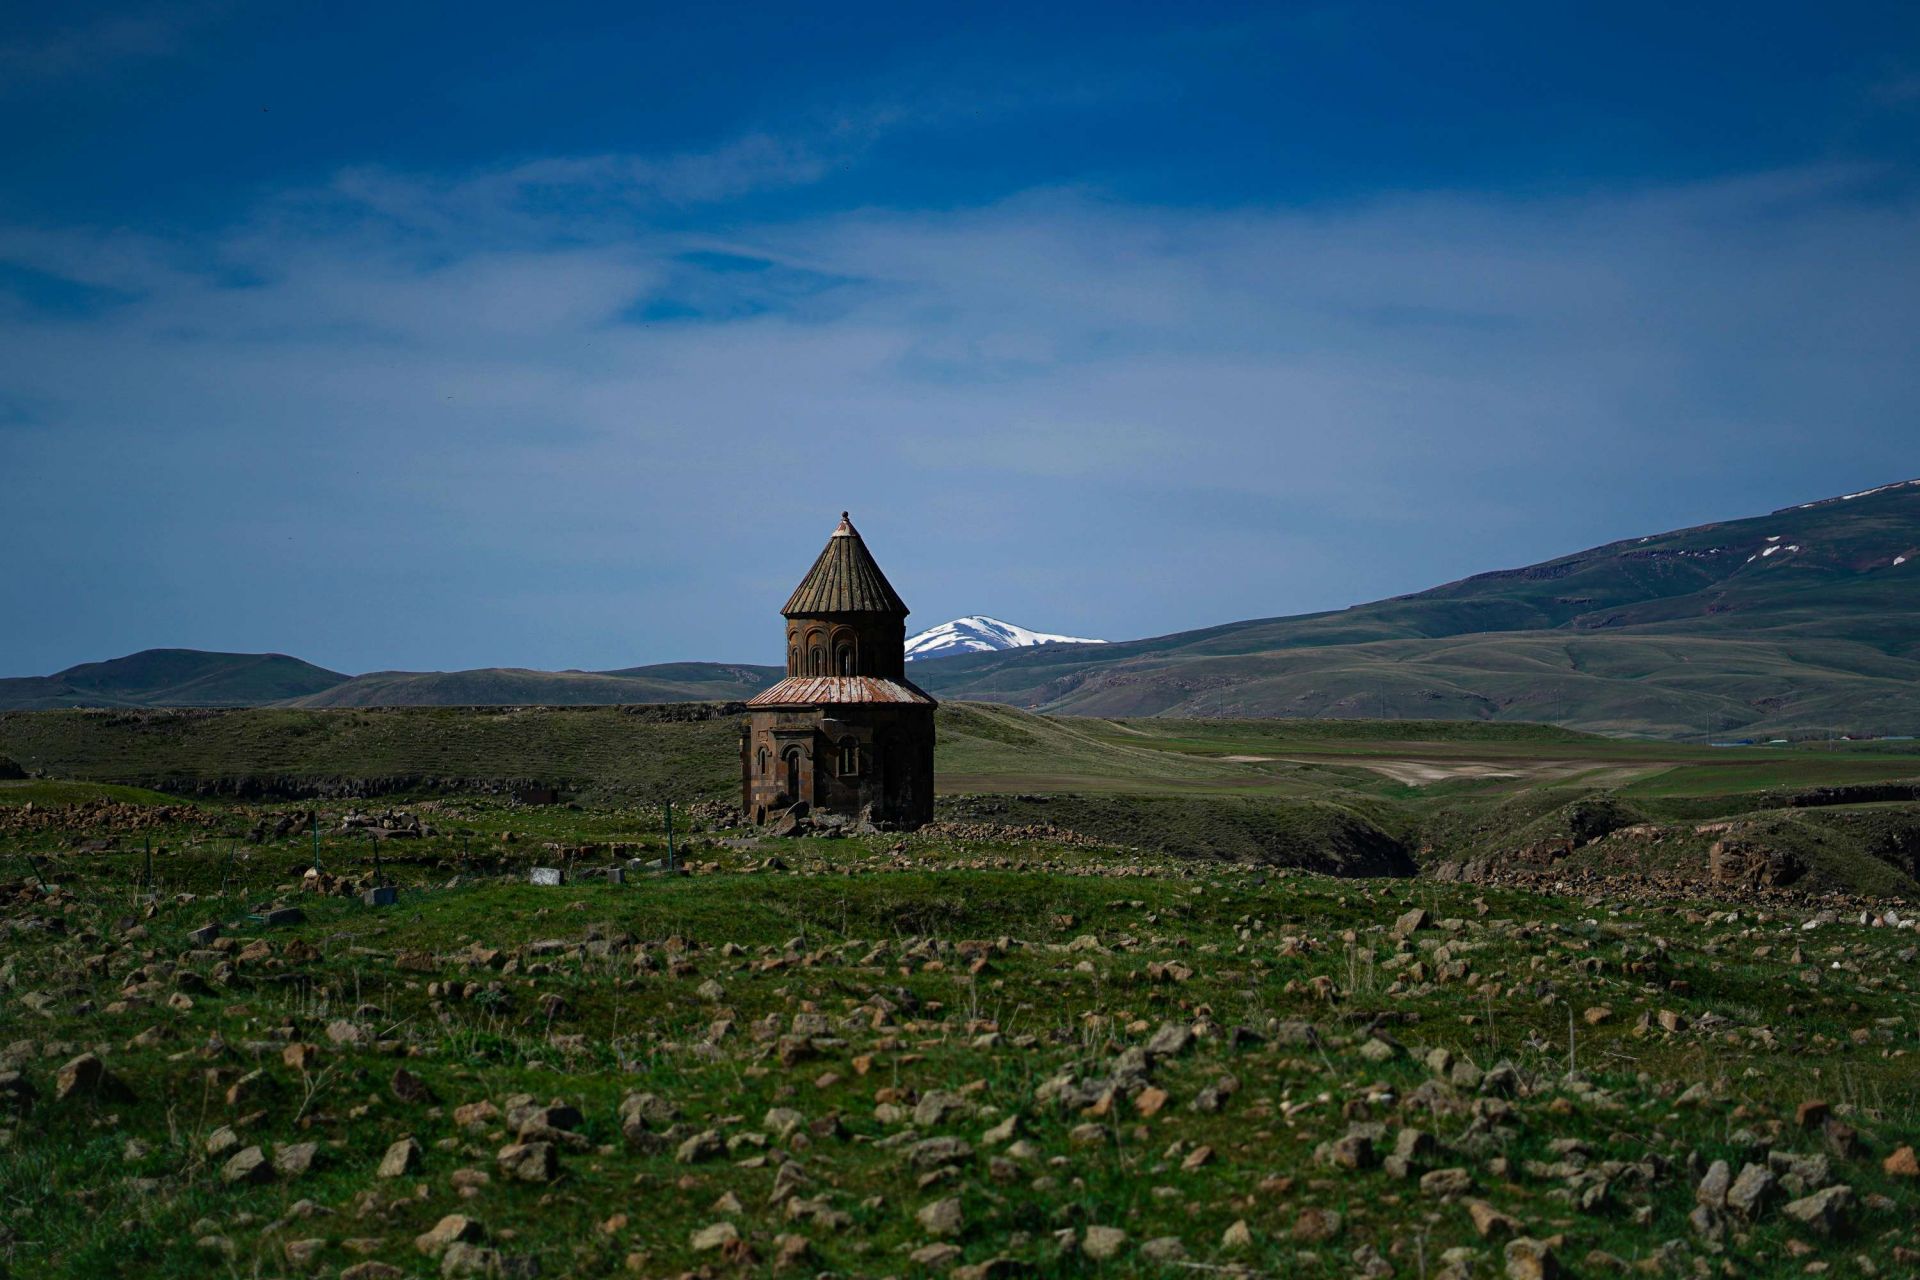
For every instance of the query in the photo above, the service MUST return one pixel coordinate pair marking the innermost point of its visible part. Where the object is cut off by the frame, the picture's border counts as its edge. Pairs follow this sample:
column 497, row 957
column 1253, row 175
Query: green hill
column 172, row 678
column 1803, row 621
column 191, row 678
column 515, row 686
column 648, row 752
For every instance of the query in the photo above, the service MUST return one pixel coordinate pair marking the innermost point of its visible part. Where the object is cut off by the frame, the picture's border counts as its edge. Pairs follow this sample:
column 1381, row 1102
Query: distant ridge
column 191, row 678
column 172, row 678
column 1805, row 620
column 1802, row 621
column 515, row 686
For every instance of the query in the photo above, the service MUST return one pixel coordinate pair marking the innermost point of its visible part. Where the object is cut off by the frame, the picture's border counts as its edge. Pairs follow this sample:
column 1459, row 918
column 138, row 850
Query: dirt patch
column 1412, row 772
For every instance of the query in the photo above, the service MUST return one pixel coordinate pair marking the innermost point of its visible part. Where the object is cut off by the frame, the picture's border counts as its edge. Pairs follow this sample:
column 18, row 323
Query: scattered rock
column 1750, row 1192
column 931, row 1153
column 87, row 1076
column 1103, row 1243
column 1170, row 1041
column 291, row 1159
column 249, row 1166
column 372, row 1270
column 303, row 1253
column 1164, row 1250
column 1712, row 1191
column 1490, row 1223
column 701, row 1147
column 402, row 1158
column 529, row 1161
column 464, row 1259
column 1824, row 1212
column 1811, row 1114
column 455, row 1228
column 942, row 1217
column 717, row 1236
column 1530, row 1259
column 408, row 1087
column 1446, row 1182
column 935, row 1257
column 1316, row 1226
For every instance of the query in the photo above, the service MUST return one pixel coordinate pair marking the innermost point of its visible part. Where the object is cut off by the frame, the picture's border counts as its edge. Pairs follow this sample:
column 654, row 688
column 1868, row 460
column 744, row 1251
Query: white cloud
column 470, row 380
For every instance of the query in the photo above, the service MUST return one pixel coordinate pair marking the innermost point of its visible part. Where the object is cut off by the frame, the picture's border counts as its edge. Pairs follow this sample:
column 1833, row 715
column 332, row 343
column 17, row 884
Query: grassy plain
column 1366, row 797
column 871, row 1028
column 930, row 1054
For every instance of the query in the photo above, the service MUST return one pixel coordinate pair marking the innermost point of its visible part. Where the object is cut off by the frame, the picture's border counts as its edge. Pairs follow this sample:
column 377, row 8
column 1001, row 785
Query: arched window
column 849, row 757
column 793, row 775
column 793, row 661
column 818, row 666
column 764, row 759
column 843, row 661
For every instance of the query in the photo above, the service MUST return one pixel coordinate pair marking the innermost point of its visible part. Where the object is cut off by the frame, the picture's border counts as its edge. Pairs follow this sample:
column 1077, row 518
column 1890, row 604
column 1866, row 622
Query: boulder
column 401, row 1159
column 248, row 1166
column 455, row 1228
column 291, row 1159
column 1824, row 1212
column 529, row 1161
column 1530, row 1259
column 717, row 1236
column 942, row 1217
column 1751, row 1191
column 87, row 1077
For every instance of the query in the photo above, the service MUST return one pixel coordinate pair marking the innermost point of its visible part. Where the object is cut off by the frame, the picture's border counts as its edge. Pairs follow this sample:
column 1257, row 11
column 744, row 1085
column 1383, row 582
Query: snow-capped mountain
column 979, row 634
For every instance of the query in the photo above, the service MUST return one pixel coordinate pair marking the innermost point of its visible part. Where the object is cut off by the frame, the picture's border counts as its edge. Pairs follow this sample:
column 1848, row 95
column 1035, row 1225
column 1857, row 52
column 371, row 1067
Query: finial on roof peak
column 844, row 579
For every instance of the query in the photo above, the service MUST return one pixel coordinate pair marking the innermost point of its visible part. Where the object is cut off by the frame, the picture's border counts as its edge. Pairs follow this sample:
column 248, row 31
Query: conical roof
column 845, row 579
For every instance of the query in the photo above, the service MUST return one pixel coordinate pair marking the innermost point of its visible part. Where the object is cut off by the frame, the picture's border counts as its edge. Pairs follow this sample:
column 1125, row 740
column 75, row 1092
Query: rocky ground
column 955, row 1054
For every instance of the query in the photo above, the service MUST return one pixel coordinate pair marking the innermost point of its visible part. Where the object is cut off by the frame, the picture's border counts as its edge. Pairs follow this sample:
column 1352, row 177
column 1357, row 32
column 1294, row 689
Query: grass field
column 1368, row 797
column 912, row 1060
column 1105, row 1017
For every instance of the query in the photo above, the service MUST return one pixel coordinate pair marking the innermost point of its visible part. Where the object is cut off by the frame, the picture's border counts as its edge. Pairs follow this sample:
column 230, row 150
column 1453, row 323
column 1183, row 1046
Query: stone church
column 845, row 733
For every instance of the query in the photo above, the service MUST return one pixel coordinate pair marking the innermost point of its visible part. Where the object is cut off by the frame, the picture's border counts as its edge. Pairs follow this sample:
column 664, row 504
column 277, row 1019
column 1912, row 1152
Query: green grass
column 637, row 752
column 47, row 791
column 1332, row 795
column 74, row 1204
column 1783, row 772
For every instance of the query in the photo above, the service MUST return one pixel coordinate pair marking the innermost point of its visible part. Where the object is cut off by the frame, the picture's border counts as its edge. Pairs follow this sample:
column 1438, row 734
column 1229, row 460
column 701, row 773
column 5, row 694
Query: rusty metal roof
column 828, row 691
column 845, row 579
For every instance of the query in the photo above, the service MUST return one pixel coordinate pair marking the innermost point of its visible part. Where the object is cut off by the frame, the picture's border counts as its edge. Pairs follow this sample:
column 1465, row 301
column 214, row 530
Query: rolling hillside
column 1805, row 620
column 171, row 678
column 514, row 686
column 190, row 678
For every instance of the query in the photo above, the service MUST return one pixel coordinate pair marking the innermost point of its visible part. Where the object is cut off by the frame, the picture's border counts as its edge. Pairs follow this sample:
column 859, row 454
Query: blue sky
column 422, row 336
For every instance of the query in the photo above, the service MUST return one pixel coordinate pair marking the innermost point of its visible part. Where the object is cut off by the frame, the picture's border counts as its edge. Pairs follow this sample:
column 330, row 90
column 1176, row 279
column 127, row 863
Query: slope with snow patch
column 980, row 634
